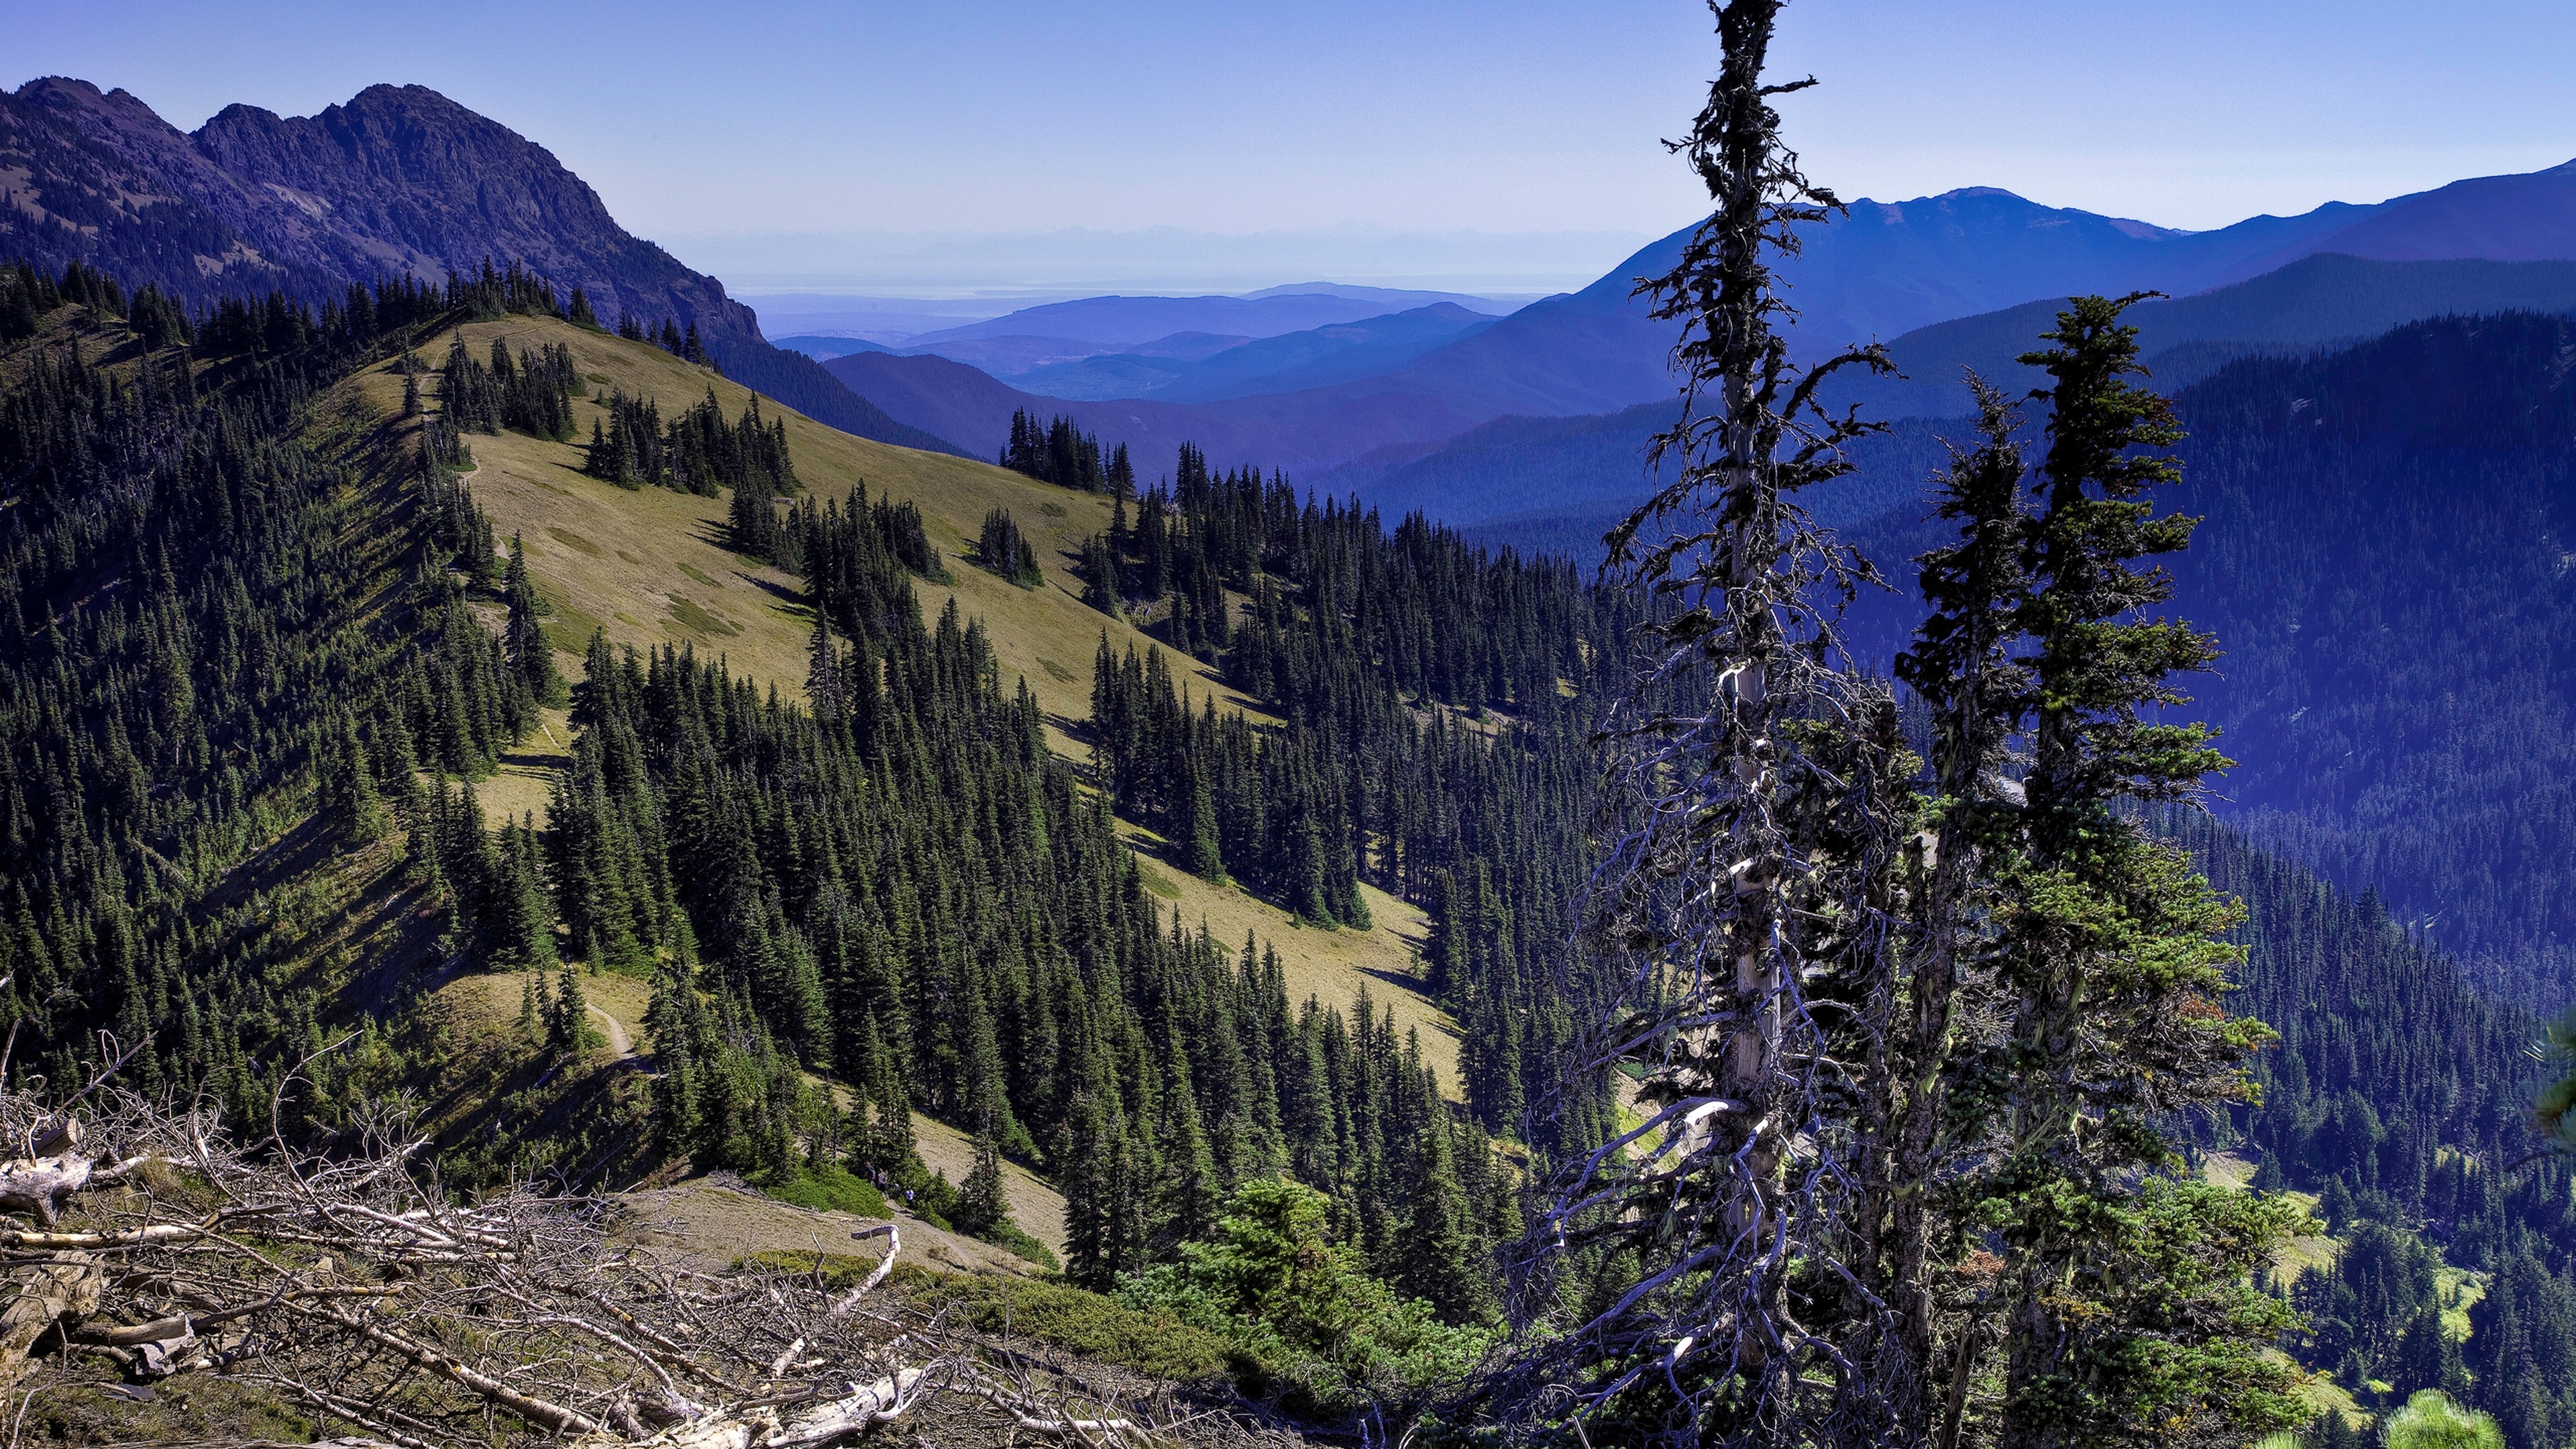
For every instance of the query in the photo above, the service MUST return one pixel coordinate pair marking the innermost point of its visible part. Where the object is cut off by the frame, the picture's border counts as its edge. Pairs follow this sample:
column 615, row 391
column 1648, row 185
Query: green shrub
column 1057, row 1314
column 1303, row 1317
column 1007, row 1236
column 829, row 1187
column 2431, row 1421
column 1076, row 1320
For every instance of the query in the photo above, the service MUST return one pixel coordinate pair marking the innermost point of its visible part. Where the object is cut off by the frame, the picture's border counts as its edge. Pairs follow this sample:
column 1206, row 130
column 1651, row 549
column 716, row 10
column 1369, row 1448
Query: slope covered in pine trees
column 656, row 566
column 2399, row 1097
column 485, row 792
column 438, row 680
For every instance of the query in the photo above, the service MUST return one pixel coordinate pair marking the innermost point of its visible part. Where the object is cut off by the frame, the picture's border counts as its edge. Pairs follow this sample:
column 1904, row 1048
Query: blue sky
column 1512, row 143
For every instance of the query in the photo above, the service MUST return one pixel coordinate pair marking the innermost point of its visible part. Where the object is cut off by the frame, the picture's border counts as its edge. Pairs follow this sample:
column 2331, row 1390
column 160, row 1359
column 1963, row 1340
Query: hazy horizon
column 1499, row 130
column 1033, row 266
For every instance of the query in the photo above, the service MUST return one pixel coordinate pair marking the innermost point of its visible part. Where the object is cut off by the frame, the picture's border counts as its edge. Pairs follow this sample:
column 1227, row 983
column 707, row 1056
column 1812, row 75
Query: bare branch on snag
column 1744, row 828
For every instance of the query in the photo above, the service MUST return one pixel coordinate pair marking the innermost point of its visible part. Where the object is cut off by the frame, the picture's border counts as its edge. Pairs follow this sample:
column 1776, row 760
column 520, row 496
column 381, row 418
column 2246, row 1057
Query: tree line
column 911, row 895
column 198, row 650
column 1059, row 452
column 1432, row 700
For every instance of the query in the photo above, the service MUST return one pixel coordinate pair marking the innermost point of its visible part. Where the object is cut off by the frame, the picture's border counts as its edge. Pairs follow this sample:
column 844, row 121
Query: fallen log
column 41, row 1297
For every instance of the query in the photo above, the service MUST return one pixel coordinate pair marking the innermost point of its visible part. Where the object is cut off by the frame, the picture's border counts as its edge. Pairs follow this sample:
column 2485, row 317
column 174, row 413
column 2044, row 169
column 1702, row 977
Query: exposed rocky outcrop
column 398, row 180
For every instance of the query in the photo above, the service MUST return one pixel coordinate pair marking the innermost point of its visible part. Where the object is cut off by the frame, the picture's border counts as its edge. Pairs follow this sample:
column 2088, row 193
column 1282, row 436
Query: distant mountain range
column 1148, row 367
column 1583, row 353
column 823, row 348
column 1534, row 469
column 1891, row 267
column 1402, row 394
column 1887, row 270
column 398, row 180
column 1120, row 347
column 1127, row 321
column 2326, row 298
column 1304, row 432
column 1291, row 362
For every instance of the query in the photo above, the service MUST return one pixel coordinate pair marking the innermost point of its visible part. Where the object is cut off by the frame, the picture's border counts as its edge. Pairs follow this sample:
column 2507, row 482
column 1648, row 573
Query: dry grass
column 525, row 781
column 719, row 1221
column 1036, row 1207
column 1333, row 966
column 652, row 567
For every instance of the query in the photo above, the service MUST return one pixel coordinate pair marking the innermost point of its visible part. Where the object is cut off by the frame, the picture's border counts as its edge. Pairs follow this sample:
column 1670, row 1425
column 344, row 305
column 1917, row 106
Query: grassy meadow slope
column 653, row 567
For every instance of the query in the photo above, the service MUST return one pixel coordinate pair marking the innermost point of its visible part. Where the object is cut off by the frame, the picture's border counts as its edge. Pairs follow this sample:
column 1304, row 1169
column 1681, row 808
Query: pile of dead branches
column 148, row 1243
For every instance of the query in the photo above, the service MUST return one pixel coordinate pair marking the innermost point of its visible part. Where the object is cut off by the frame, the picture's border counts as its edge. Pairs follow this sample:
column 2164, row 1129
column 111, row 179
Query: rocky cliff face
column 399, row 180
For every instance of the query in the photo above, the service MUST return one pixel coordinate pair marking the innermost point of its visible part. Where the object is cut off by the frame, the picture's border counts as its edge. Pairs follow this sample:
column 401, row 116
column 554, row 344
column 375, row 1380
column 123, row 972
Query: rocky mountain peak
column 398, row 179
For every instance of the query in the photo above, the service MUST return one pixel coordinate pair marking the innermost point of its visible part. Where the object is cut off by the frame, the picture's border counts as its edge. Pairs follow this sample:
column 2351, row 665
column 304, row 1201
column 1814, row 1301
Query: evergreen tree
column 1002, row 549
column 1976, row 691
column 349, row 785
column 1102, row 586
column 568, row 1031
column 981, row 1206
column 2114, row 946
column 1203, row 856
column 754, row 519
column 1439, row 1258
column 2427, row 1357
column 525, row 641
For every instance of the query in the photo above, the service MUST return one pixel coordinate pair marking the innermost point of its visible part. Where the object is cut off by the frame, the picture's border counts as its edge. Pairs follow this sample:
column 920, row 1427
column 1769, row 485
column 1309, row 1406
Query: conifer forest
column 564, row 877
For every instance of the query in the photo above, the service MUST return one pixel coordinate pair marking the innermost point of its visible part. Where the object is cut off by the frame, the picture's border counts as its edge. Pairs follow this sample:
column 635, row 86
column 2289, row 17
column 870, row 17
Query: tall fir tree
column 2114, row 954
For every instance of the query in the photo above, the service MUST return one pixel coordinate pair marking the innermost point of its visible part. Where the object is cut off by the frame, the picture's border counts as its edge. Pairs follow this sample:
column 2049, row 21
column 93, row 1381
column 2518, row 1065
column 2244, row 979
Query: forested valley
column 2404, row 504
column 1829, row 1011
column 899, row 887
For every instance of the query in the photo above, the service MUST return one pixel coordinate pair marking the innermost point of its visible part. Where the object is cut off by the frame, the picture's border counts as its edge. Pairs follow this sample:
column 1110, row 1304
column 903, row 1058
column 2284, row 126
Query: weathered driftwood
column 352, row 1284
column 43, row 1185
column 43, row 1295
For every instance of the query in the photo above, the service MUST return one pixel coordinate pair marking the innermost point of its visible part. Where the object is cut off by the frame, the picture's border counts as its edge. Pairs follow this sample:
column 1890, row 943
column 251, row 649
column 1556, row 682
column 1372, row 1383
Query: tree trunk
column 41, row 1297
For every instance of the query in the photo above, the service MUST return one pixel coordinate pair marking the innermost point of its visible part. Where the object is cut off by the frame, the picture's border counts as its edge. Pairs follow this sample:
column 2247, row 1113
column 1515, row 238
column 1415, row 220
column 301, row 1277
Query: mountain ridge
column 398, row 180
column 1592, row 467
column 1885, row 270
column 1125, row 321
column 1288, row 362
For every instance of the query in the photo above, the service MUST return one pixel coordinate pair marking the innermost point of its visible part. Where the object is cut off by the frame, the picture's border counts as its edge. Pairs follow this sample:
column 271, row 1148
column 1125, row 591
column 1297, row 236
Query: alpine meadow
column 1900, row 825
